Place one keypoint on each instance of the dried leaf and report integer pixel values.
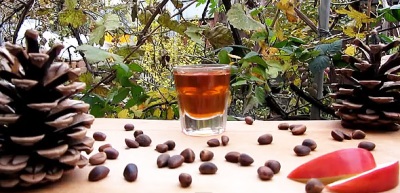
(239, 19)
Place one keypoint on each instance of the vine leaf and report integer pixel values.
(165, 21)
(111, 22)
(260, 95)
(288, 8)
(360, 18)
(97, 34)
(73, 17)
(219, 36)
(239, 19)
(123, 114)
(144, 16)
(94, 54)
(194, 33)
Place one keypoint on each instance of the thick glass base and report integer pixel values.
(203, 127)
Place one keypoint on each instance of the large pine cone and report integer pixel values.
(370, 97)
(42, 130)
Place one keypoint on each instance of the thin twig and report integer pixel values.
(203, 15)
(22, 19)
(11, 15)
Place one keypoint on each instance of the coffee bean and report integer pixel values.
(162, 148)
(367, 145)
(111, 153)
(337, 135)
(274, 165)
(213, 142)
(171, 144)
(188, 155)
(143, 140)
(310, 143)
(208, 168)
(301, 150)
(98, 158)
(232, 157)
(129, 127)
(245, 160)
(283, 126)
(102, 147)
(175, 161)
(206, 155)
(99, 136)
(299, 130)
(358, 134)
(185, 180)
(130, 172)
(249, 120)
(346, 136)
(314, 185)
(293, 126)
(131, 143)
(224, 140)
(98, 173)
(137, 133)
(265, 173)
(265, 139)
(162, 160)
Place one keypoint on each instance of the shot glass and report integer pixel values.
(203, 92)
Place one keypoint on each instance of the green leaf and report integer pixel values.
(194, 33)
(144, 17)
(249, 104)
(296, 40)
(260, 70)
(121, 95)
(111, 22)
(319, 64)
(274, 67)
(396, 11)
(223, 57)
(331, 48)
(73, 17)
(239, 83)
(71, 4)
(135, 67)
(254, 57)
(386, 39)
(219, 36)
(97, 34)
(259, 36)
(94, 54)
(260, 95)
(239, 19)
(177, 3)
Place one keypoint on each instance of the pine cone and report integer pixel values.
(370, 97)
(42, 130)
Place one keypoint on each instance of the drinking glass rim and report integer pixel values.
(207, 67)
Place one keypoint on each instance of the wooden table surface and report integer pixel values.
(230, 178)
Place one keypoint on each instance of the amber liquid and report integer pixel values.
(202, 94)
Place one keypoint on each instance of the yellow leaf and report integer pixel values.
(170, 113)
(351, 50)
(123, 114)
(157, 112)
(352, 31)
(101, 91)
(297, 82)
(359, 17)
(288, 8)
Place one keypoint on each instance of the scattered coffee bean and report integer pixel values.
(213, 142)
(111, 153)
(358, 134)
(99, 136)
(143, 140)
(299, 130)
(175, 161)
(208, 168)
(206, 155)
(130, 172)
(367, 145)
(131, 143)
(293, 126)
(310, 143)
(232, 157)
(137, 132)
(129, 127)
(274, 165)
(98, 173)
(249, 120)
(337, 135)
(185, 180)
(283, 126)
(188, 155)
(265, 139)
(98, 158)
(346, 136)
(224, 140)
(102, 147)
(171, 144)
(314, 186)
(245, 160)
(265, 173)
(162, 160)
(162, 148)
(301, 150)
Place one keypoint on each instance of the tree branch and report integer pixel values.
(22, 19)
(203, 15)
(235, 32)
(306, 20)
(78, 39)
(11, 15)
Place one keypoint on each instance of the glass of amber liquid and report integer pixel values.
(203, 92)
